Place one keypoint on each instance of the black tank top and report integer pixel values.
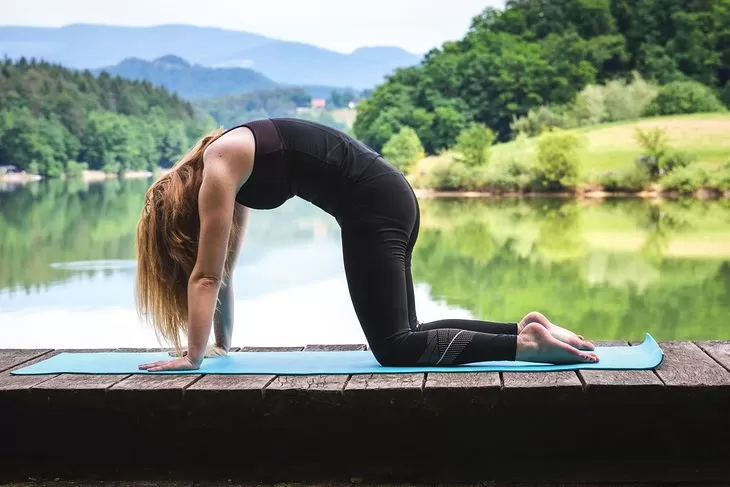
(296, 157)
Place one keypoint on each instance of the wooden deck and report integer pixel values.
(668, 424)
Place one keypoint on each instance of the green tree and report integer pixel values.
(682, 97)
(404, 149)
(473, 145)
(558, 160)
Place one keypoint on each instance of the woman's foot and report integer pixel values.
(536, 344)
(558, 332)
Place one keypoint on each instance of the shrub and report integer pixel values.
(680, 97)
(404, 149)
(616, 100)
(74, 169)
(558, 160)
(720, 180)
(447, 175)
(658, 159)
(627, 101)
(473, 144)
(685, 180)
(540, 119)
(631, 180)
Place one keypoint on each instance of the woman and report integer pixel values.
(194, 218)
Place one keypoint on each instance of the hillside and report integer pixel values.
(613, 146)
(536, 54)
(96, 46)
(56, 121)
(190, 81)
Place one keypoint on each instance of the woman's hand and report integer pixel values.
(182, 363)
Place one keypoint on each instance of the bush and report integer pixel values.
(449, 175)
(681, 97)
(558, 160)
(616, 100)
(404, 149)
(540, 119)
(658, 159)
(631, 180)
(74, 169)
(685, 180)
(720, 180)
(473, 144)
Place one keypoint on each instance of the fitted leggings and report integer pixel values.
(379, 232)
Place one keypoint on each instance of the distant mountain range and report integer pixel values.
(275, 61)
(190, 81)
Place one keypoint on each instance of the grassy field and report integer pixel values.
(614, 146)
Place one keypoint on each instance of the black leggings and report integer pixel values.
(379, 231)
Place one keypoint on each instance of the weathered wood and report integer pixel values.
(225, 391)
(13, 384)
(718, 350)
(622, 385)
(11, 358)
(461, 390)
(298, 391)
(134, 391)
(530, 388)
(384, 390)
(687, 365)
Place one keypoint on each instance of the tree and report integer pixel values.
(404, 149)
(473, 145)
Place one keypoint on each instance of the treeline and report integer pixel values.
(56, 121)
(274, 102)
(539, 53)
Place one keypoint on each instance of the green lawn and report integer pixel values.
(614, 146)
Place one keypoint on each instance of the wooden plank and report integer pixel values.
(622, 385)
(687, 365)
(312, 383)
(543, 388)
(150, 391)
(78, 390)
(444, 391)
(718, 350)
(384, 391)
(12, 384)
(12, 357)
(232, 390)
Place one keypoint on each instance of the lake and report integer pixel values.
(610, 270)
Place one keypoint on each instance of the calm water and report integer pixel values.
(611, 270)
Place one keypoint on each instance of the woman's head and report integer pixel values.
(167, 243)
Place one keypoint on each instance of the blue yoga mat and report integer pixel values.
(645, 356)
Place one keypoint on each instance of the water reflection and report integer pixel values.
(612, 269)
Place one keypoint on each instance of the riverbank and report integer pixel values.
(597, 194)
(86, 176)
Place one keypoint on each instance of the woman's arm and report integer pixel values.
(223, 319)
(228, 165)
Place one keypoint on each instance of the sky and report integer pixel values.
(339, 25)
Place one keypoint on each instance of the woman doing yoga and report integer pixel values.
(194, 218)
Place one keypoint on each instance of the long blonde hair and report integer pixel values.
(167, 244)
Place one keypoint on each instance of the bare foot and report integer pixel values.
(558, 332)
(536, 344)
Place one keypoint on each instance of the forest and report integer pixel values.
(542, 53)
(55, 121)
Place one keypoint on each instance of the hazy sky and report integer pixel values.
(341, 25)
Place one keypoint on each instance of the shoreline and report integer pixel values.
(654, 193)
(86, 176)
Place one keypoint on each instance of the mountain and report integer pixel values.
(96, 46)
(191, 81)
